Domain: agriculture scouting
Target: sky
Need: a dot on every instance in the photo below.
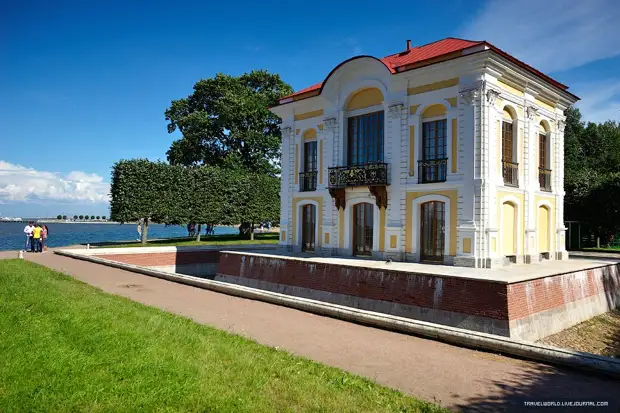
(84, 84)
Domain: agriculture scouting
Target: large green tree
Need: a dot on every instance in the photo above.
(591, 180)
(226, 122)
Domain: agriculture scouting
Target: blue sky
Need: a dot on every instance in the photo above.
(83, 85)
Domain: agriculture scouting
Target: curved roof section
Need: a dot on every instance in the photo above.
(322, 84)
(420, 56)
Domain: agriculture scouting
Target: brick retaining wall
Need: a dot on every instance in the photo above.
(527, 310)
(471, 297)
(155, 259)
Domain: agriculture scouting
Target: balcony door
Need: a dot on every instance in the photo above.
(362, 229)
(308, 176)
(432, 234)
(365, 139)
(308, 227)
(434, 163)
(510, 169)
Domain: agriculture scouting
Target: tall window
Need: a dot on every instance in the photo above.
(310, 163)
(365, 140)
(510, 169)
(307, 181)
(434, 140)
(544, 173)
(542, 151)
(434, 163)
(507, 141)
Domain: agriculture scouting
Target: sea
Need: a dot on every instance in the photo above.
(64, 234)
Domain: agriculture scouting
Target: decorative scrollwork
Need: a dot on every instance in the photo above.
(395, 110)
(561, 125)
(359, 175)
(492, 96)
(329, 124)
(468, 97)
(531, 112)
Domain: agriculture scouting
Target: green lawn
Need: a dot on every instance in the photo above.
(268, 238)
(66, 346)
(603, 249)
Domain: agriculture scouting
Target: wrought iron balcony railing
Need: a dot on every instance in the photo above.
(307, 181)
(432, 170)
(510, 171)
(544, 177)
(369, 174)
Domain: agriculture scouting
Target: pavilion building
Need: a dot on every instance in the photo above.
(451, 153)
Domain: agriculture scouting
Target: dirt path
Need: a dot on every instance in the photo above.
(455, 377)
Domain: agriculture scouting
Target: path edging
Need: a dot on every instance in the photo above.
(452, 335)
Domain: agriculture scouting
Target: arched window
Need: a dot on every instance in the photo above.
(365, 126)
(308, 227)
(363, 226)
(544, 161)
(510, 166)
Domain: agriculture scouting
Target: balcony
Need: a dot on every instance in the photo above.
(432, 170)
(510, 171)
(544, 177)
(370, 174)
(307, 181)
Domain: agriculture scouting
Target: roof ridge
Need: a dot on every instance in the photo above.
(436, 41)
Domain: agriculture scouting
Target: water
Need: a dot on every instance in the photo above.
(61, 235)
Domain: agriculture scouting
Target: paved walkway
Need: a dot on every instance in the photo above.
(455, 377)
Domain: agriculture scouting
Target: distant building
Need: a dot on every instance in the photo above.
(451, 152)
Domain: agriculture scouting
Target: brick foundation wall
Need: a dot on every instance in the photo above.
(470, 297)
(166, 258)
(483, 298)
(531, 297)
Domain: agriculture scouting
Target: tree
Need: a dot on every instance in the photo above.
(81, 216)
(58, 217)
(226, 122)
(64, 217)
(175, 195)
(86, 217)
(75, 217)
(147, 191)
(98, 217)
(256, 199)
(103, 217)
(92, 217)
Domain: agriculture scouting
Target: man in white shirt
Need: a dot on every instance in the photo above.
(28, 231)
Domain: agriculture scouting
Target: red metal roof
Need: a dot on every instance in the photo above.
(419, 54)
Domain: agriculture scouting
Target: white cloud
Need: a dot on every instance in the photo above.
(19, 184)
(600, 100)
(552, 35)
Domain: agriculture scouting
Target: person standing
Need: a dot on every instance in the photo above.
(139, 229)
(28, 232)
(44, 234)
(36, 238)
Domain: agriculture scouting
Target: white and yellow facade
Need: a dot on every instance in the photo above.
(474, 94)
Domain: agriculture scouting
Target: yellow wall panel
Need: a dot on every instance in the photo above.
(432, 86)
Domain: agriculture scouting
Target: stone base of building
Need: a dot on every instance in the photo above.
(510, 302)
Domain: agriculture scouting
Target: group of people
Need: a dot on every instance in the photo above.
(36, 237)
(191, 230)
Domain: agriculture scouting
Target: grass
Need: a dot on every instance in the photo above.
(267, 238)
(67, 346)
(603, 249)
